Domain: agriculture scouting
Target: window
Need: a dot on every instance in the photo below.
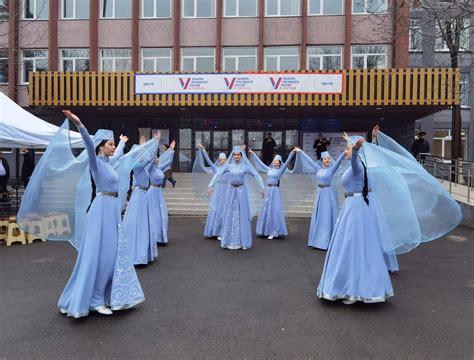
(75, 59)
(325, 7)
(464, 91)
(185, 153)
(369, 56)
(240, 59)
(440, 44)
(241, 8)
(156, 60)
(36, 9)
(324, 57)
(33, 60)
(116, 59)
(197, 59)
(3, 9)
(369, 6)
(116, 9)
(415, 35)
(280, 58)
(442, 143)
(75, 9)
(199, 8)
(156, 8)
(3, 66)
(282, 7)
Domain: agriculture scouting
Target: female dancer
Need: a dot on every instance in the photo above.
(237, 215)
(354, 269)
(325, 207)
(271, 217)
(136, 221)
(103, 275)
(213, 226)
(157, 209)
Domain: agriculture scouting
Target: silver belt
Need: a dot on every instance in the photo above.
(107, 193)
(141, 187)
(349, 194)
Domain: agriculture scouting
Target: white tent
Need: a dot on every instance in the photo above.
(19, 128)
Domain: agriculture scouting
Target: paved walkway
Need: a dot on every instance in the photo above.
(207, 303)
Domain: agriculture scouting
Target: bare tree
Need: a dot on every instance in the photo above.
(441, 25)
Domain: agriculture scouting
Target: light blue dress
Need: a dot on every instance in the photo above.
(136, 221)
(325, 207)
(213, 226)
(271, 216)
(157, 209)
(237, 216)
(354, 267)
(103, 273)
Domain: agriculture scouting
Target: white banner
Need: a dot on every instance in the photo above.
(239, 83)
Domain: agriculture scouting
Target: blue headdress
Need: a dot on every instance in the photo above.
(325, 154)
(296, 185)
(55, 202)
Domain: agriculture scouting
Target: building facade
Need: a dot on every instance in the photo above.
(97, 37)
(427, 49)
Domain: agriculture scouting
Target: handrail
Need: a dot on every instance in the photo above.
(455, 174)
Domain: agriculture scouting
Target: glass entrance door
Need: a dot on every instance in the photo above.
(255, 141)
(220, 143)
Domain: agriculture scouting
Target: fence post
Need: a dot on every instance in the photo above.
(468, 185)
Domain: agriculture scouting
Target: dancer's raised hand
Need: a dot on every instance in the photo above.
(123, 138)
(74, 118)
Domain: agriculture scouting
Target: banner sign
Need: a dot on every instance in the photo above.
(239, 83)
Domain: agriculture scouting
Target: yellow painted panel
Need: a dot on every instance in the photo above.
(457, 88)
(415, 97)
(429, 87)
(365, 84)
(401, 87)
(42, 86)
(74, 99)
(443, 76)
(422, 87)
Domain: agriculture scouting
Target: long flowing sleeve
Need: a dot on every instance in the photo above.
(209, 161)
(284, 166)
(216, 177)
(260, 164)
(118, 153)
(256, 175)
(310, 162)
(90, 149)
(355, 162)
(147, 163)
(336, 165)
(168, 161)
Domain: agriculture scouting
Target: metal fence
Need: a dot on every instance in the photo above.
(455, 175)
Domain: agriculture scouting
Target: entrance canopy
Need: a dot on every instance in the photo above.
(19, 128)
(376, 92)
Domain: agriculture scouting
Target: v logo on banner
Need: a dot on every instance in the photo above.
(276, 82)
(185, 83)
(230, 84)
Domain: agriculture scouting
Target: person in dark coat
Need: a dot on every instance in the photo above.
(420, 145)
(28, 165)
(4, 174)
(321, 145)
(169, 172)
(268, 149)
